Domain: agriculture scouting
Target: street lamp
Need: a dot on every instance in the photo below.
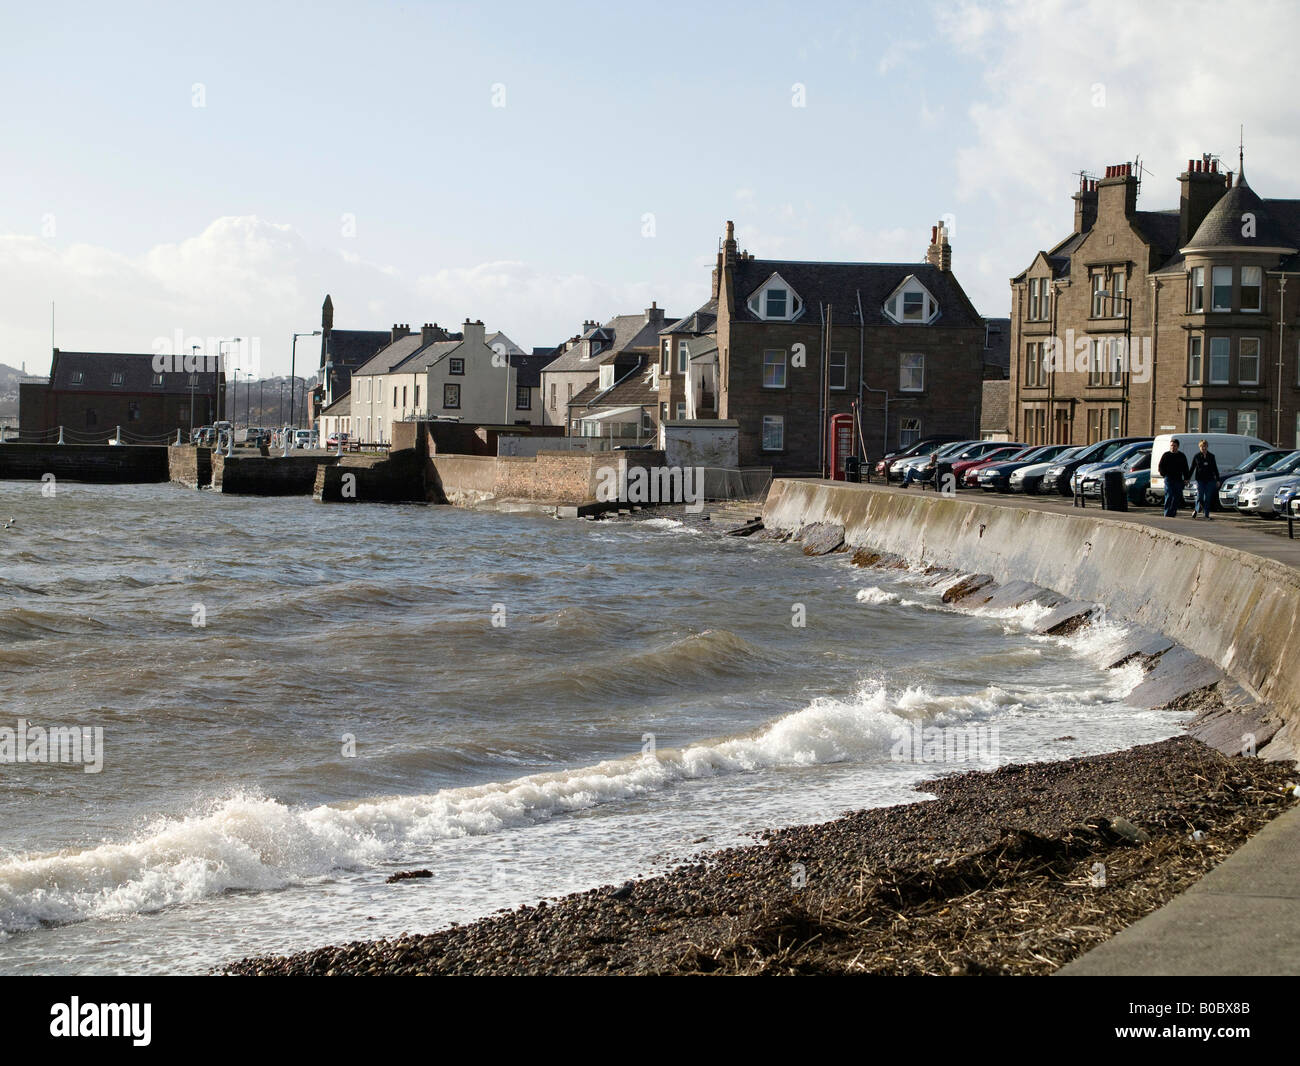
(194, 381)
(217, 376)
(293, 371)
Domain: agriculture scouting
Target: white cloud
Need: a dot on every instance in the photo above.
(247, 277)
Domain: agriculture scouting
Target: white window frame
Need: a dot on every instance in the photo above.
(895, 304)
(772, 363)
(1257, 288)
(758, 303)
(909, 431)
(683, 356)
(1215, 273)
(774, 424)
(1198, 289)
(1252, 422)
(1195, 360)
(1242, 345)
(1225, 346)
(905, 372)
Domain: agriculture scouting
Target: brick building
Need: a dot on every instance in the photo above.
(1142, 322)
(798, 342)
(91, 394)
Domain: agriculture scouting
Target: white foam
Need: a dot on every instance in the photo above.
(873, 595)
(251, 842)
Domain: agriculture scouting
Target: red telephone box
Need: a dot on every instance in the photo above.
(842, 444)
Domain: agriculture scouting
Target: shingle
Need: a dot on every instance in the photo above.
(97, 370)
(1225, 225)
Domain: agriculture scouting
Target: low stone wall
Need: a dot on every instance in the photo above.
(566, 478)
(398, 477)
(1239, 611)
(104, 463)
(190, 465)
(251, 475)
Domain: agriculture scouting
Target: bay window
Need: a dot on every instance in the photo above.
(1221, 289)
(1252, 282)
(1220, 352)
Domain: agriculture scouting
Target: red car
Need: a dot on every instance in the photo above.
(968, 470)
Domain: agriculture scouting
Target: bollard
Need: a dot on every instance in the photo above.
(60, 435)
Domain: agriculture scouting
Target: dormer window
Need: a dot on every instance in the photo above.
(607, 376)
(118, 378)
(912, 302)
(78, 378)
(775, 301)
(157, 380)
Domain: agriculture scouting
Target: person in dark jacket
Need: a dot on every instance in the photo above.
(1173, 468)
(1204, 472)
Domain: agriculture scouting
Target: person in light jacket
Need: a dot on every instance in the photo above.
(1173, 468)
(1204, 471)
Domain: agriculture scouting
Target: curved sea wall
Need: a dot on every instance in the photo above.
(1236, 610)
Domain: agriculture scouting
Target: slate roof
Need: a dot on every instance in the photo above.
(340, 407)
(528, 369)
(997, 343)
(97, 370)
(388, 359)
(705, 320)
(704, 347)
(500, 338)
(624, 332)
(351, 348)
(838, 284)
(632, 391)
(1222, 227)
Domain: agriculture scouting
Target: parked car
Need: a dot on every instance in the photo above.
(1118, 458)
(967, 470)
(996, 475)
(335, 439)
(1030, 479)
(202, 435)
(1230, 451)
(941, 453)
(1090, 482)
(957, 452)
(1138, 486)
(303, 438)
(1232, 480)
(1284, 495)
(923, 446)
(1255, 496)
(1057, 478)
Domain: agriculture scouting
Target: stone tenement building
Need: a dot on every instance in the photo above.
(1142, 322)
(798, 342)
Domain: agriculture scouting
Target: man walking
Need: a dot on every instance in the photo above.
(1205, 473)
(1173, 468)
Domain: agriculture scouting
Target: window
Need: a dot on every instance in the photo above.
(1117, 295)
(1193, 420)
(1044, 300)
(157, 380)
(417, 397)
(663, 412)
(911, 373)
(607, 376)
(1216, 420)
(523, 398)
(1193, 360)
(773, 433)
(1033, 299)
(911, 302)
(1252, 279)
(379, 430)
(183, 413)
(774, 368)
(379, 390)
(837, 370)
(1248, 361)
(78, 378)
(1116, 361)
(456, 366)
(451, 395)
(776, 300)
(394, 395)
(1032, 366)
(663, 355)
(1220, 348)
(553, 397)
(776, 303)
(1112, 422)
(683, 355)
(1096, 362)
(681, 410)
(1221, 289)
(1248, 423)
(1198, 289)
(133, 410)
(570, 396)
(909, 432)
(1098, 294)
(117, 378)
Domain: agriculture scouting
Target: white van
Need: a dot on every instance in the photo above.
(1230, 450)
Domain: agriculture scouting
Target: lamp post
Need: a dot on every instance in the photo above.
(194, 381)
(217, 376)
(293, 369)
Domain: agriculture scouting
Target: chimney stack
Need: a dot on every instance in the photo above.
(431, 332)
(1200, 188)
(400, 330)
(472, 332)
(1085, 204)
(654, 313)
(1117, 191)
(940, 252)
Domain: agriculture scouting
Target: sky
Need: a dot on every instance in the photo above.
(205, 171)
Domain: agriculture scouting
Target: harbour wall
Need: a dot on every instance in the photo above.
(103, 463)
(1237, 610)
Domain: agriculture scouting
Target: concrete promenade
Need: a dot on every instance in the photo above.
(1243, 917)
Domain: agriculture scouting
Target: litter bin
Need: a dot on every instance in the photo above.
(852, 468)
(944, 478)
(1113, 496)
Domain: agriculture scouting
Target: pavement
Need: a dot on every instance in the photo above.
(1243, 917)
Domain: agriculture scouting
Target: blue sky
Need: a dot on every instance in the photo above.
(356, 149)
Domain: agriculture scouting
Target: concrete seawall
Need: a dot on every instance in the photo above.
(1237, 610)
